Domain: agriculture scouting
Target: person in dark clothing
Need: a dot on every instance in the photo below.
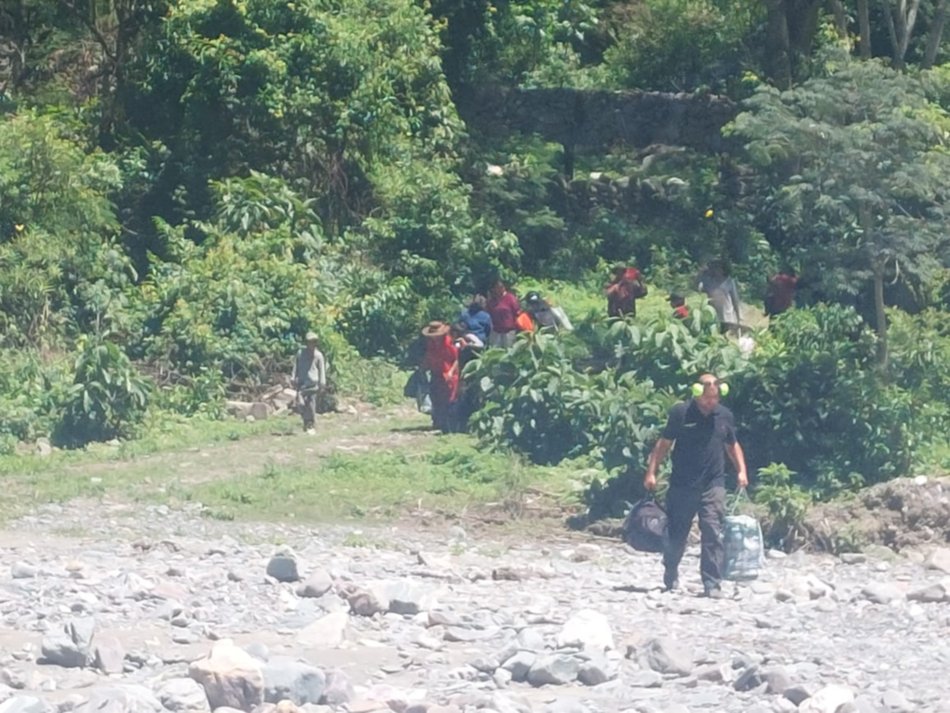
(678, 303)
(701, 433)
(476, 318)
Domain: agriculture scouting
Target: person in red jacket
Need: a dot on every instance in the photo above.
(503, 307)
(442, 362)
(624, 289)
(781, 292)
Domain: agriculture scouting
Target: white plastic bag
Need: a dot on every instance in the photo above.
(744, 546)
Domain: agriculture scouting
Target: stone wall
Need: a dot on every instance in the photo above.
(598, 119)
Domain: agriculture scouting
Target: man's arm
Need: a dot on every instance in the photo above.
(737, 456)
(293, 373)
(657, 455)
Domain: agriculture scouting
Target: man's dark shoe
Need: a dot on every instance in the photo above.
(715, 593)
(670, 581)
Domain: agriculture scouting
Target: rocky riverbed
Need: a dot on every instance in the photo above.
(113, 608)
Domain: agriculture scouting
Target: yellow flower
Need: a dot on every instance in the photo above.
(18, 227)
(709, 213)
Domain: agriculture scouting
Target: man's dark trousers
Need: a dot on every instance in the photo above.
(682, 505)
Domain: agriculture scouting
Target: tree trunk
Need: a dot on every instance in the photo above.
(881, 317)
(900, 26)
(864, 28)
(841, 19)
(935, 35)
(778, 58)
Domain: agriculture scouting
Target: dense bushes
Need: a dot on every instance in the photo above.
(813, 399)
(809, 397)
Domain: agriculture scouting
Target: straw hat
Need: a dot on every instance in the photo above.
(311, 337)
(435, 328)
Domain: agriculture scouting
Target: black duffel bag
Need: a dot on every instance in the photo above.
(645, 526)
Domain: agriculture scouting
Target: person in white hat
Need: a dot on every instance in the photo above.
(309, 378)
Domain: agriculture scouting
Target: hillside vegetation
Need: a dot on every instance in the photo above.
(186, 188)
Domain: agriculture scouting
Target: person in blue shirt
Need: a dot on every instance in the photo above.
(476, 318)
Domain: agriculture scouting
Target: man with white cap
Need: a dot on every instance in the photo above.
(309, 378)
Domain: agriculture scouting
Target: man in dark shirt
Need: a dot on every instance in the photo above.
(704, 433)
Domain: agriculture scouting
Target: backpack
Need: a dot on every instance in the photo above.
(645, 526)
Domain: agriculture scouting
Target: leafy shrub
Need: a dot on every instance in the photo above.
(235, 304)
(680, 45)
(919, 347)
(785, 503)
(32, 387)
(812, 399)
(667, 351)
(107, 399)
(533, 400)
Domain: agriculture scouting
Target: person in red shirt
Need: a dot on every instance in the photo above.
(624, 289)
(503, 307)
(781, 292)
(441, 360)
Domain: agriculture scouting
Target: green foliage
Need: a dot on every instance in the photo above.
(534, 401)
(855, 175)
(326, 96)
(670, 352)
(812, 399)
(785, 502)
(681, 45)
(32, 387)
(59, 268)
(920, 365)
(108, 397)
(231, 303)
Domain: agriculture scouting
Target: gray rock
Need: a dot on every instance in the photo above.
(519, 664)
(407, 597)
(283, 567)
(297, 681)
(749, 679)
(318, 583)
(121, 698)
(24, 704)
(338, 690)
(23, 570)
(183, 695)
(932, 593)
(367, 602)
(777, 679)
(108, 655)
(230, 677)
(553, 669)
(596, 670)
(939, 559)
(664, 655)
(797, 693)
(645, 679)
(586, 629)
(895, 701)
(70, 647)
(882, 593)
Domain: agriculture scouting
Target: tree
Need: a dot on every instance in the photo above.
(855, 176)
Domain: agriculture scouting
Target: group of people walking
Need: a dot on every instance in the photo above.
(699, 432)
(487, 321)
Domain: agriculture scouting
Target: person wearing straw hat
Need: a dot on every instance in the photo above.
(441, 360)
(701, 432)
(309, 378)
